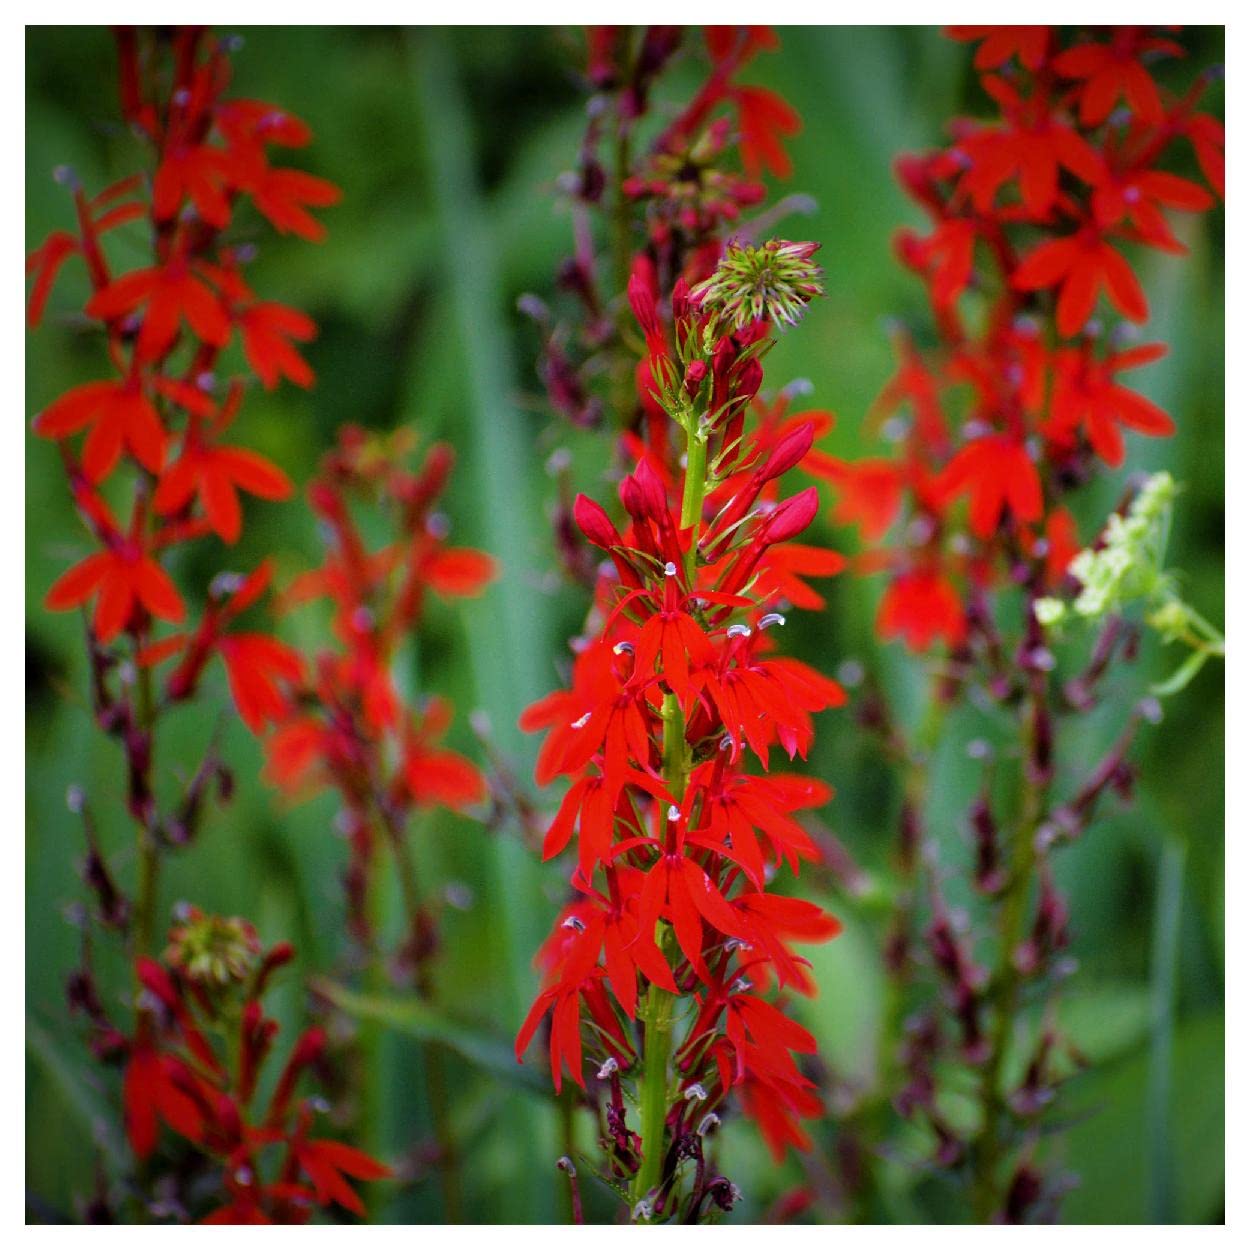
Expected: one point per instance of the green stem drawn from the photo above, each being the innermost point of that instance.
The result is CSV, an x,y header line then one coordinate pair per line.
x,y
696,478
657,1041
657,1010
1166,944
693,489
1013,918
431,1052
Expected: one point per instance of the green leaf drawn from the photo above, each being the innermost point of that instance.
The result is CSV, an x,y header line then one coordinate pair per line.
x,y
1109,1151
486,1050
88,1105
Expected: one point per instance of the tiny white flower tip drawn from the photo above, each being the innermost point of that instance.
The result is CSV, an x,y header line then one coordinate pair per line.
x,y
708,1123
580,722
738,631
670,569
608,1068
770,619
674,812
623,648
695,1093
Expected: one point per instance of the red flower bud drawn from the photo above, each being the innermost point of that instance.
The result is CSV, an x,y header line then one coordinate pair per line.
x,y
750,379
595,523
642,301
654,498
696,371
792,517
681,300
788,452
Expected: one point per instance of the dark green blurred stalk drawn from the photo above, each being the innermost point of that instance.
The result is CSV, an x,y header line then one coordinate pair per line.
x,y
1005,977
506,631
1165,951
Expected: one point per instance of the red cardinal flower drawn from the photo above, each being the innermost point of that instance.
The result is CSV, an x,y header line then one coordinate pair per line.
x,y
922,606
1028,44
1114,70
326,1164
268,329
1088,398
258,667
215,475
282,196
123,581
999,476
1080,266
170,294
119,415
434,774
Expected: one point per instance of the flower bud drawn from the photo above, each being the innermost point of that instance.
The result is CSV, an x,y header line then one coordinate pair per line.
x,y
595,523
791,517
788,452
696,373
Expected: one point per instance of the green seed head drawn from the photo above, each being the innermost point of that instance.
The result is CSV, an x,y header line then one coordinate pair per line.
x,y
775,281
213,951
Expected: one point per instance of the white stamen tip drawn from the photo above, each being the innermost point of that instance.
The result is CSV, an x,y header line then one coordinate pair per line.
x,y
670,569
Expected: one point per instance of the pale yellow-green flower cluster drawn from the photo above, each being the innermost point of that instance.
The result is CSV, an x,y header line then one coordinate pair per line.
x,y
1128,568
1129,565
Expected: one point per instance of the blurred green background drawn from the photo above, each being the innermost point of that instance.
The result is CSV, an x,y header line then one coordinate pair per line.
x,y
447,146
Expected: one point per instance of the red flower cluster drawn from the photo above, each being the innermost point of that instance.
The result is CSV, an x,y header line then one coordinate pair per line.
x,y
195,1064
1037,218
677,838
199,1036
676,197
349,726
167,325
1032,212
